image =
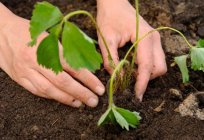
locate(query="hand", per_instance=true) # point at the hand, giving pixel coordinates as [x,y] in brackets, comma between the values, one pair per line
[117,21]
[19,62]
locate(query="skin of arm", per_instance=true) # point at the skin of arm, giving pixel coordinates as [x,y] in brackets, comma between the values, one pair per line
[20,63]
[117,21]
[4,13]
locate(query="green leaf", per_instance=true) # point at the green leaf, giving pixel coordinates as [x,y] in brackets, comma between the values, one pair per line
[112,117]
[45,15]
[104,118]
[56,30]
[120,119]
[48,54]
[138,115]
[197,58]
[79,49]
[181,62]
[133,118]
[200,43]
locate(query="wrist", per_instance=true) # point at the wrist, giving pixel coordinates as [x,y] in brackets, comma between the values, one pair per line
[5,18]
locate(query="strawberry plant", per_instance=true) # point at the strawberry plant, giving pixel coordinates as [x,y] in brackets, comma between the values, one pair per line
[77,47]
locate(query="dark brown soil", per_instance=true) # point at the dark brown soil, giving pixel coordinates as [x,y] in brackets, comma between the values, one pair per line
[24,116]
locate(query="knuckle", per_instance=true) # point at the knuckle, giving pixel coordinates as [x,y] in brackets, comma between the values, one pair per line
[44,88]
[111,38]
[83,75]
[161,71]
[82,95]
[27,55]
[110,41]
[62,81]
[147,67]
[78,73]
[16,72]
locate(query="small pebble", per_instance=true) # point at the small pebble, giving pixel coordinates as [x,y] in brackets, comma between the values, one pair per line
[35,128]
[83,136]
[175,94]
[90,117]
[160,107]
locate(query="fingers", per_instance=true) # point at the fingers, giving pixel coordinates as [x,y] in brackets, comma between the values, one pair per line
[68,85]
[160,67]
[142,81]
[145,66]
[151,64]
[113,43]
[30,87]
[84,76]
[88,79]
[45,87]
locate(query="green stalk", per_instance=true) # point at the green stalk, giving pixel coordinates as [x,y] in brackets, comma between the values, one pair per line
[79,12]
[115,72]
[157,29]
[137,32]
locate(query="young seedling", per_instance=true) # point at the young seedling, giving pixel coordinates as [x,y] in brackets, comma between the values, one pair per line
[123,117]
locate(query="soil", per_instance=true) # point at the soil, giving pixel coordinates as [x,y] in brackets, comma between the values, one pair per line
[24,116]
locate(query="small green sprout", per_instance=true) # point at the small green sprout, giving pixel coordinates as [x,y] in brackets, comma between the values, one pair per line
[117,115]
[123,117]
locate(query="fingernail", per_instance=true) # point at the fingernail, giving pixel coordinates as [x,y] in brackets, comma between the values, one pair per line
[92,102]
[100,90]
[76,103]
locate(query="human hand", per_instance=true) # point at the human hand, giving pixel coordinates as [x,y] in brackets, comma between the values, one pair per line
[117,21]
[20,63]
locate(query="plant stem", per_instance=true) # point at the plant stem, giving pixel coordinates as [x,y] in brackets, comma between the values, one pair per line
[157,29]
[137,32]
[79,12]
[116,70]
